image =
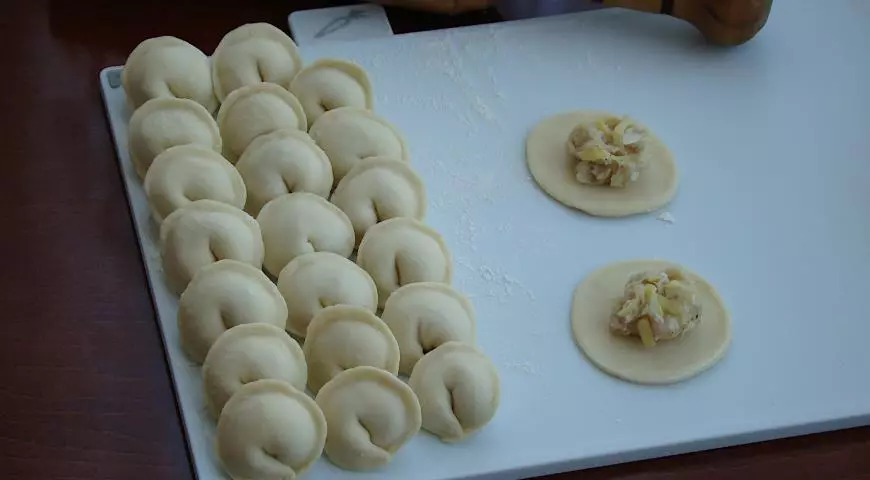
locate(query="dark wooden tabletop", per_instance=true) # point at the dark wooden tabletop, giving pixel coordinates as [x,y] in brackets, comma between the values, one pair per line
[85,390]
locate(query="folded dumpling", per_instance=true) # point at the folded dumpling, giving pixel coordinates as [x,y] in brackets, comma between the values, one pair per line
[330,83]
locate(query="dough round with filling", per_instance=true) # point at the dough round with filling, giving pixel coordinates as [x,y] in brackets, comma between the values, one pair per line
[269,429]
[284,161]
[378,189]
[247,353]
[458,388]
[330,83]
[299,223]
[221,296]
[203,232]
[168,67]
[162,123]
[370,414]
[256,110]
[350,134]
[424,316]
[187,173]
[317,280]
[251,54]
[552,167]
[625,357]
[402,250]
[344,336]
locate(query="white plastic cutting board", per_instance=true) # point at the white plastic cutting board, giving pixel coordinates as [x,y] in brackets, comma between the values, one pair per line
[771,140]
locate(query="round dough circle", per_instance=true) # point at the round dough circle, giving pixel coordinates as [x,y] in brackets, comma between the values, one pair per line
[670,361]
[299,223]
[552,167]
[370,414]
[187,173]
[458,388]
[342,337]
[401,251]
[331,83]
[168,67]
[314,281]
[221,296]
[284,161]
[247,353]
[378,189]
[162,123]
[269,429]
[251,54]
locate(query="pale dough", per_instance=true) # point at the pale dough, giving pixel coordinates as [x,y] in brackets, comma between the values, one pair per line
[402,250]
[254,53]
[162,123]
[370,414]
[299,223]
[330,83]
[458,388]
[270,430]
[423,316]
[187,173]
[552,167]
[378,189]
[626,358]
[221,296]
[342,337]
[247,353]
[317,280]
[284,161]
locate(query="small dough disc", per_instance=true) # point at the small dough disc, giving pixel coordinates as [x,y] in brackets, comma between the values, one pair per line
[187,173]
[378,189]
[349,134]
[402,250]
[251,54]
[162,123]
[247,353]
[256,110]
[670,361]
[168,67]
[330,83]
[314,281]
[424,316]
[221,296]
[553,169]
[458,388]
[284,161]
[270,430]
[370,414]
[342,337]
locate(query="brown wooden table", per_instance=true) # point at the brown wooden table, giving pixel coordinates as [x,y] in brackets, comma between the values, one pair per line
[85,390]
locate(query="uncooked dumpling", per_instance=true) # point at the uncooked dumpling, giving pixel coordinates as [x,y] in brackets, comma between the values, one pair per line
[370,414]
[423,316]
[284,161]
[203,232]
[378,189]
[350,134]
[251,54]
[168,67]
[221,296]
[330,83]
[317,280]
[402,250]
[163,123]
[270,430]
[458,388]
[247,353]
[342,337]
[187,173]
[299,223]
[256,110]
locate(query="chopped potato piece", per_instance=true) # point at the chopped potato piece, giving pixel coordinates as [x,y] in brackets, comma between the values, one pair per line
[608,152]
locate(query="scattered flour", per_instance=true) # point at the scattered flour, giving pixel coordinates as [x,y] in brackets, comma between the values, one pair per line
[667,218]
[524,366]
